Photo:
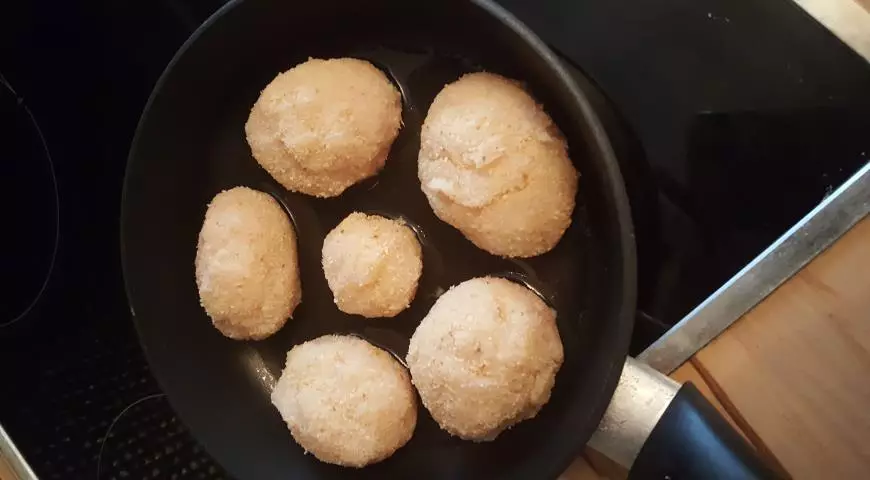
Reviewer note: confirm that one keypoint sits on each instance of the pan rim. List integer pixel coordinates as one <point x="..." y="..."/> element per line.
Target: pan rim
<point x="616" y="187"/>
<point x="614" y="183"/>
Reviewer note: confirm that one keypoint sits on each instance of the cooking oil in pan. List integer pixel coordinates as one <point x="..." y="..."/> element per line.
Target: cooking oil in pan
<point x="448" y="257"/>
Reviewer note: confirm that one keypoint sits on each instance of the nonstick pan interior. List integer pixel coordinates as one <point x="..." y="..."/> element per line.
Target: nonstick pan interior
<point x="190" y="145"/>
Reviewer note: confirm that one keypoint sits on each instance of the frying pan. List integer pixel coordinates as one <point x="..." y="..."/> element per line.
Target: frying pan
<point x="190" y="145"/>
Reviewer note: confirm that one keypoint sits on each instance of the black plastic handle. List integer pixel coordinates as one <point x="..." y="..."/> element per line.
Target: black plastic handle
<point x="693" y="441"/>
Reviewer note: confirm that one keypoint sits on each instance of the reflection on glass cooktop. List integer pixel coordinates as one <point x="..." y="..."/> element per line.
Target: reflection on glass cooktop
<point x="731" y="120"/>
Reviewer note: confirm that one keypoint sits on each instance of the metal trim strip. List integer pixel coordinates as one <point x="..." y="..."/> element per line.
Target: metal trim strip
<point x="10" y="454"/>
<point x="814" y="233"/>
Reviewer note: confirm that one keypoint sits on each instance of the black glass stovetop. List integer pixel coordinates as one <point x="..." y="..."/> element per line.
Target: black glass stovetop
<point x="731" y="120"/>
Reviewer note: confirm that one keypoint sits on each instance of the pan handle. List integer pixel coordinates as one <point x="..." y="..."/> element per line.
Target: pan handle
<point x="660" y="430"/>
<point x="693" y="440"/>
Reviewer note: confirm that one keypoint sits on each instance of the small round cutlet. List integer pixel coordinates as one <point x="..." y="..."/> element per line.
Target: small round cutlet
<point x="493" y="165"/>
<point x="247" y="271"/>
<point x="372" y="265"/>
<point x="324" y="125"/>
<point x="485" y="357"/>
<point x="346" y="401"/>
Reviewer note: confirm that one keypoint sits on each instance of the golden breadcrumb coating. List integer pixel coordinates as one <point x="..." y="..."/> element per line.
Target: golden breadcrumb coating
<point x="346" y="401"/>
<point x="247" y="270"/>
<point x="493" y="165"/>
<point x="372" y="265"/>
<point x="485" y="357"/>
<point x="324" y="125"/>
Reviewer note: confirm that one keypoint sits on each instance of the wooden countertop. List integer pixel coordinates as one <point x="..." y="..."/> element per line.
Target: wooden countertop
<point x="793" y="374"/>
<point x="795" y="371"/>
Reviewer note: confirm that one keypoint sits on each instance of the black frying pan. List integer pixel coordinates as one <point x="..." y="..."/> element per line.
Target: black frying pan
<point x="190" y="144"/>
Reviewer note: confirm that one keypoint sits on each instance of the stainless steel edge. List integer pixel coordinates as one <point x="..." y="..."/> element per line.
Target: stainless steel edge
<point x="834" y="216"/>
<point x="640" y="399"/>
<point x="10" y="454"/>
